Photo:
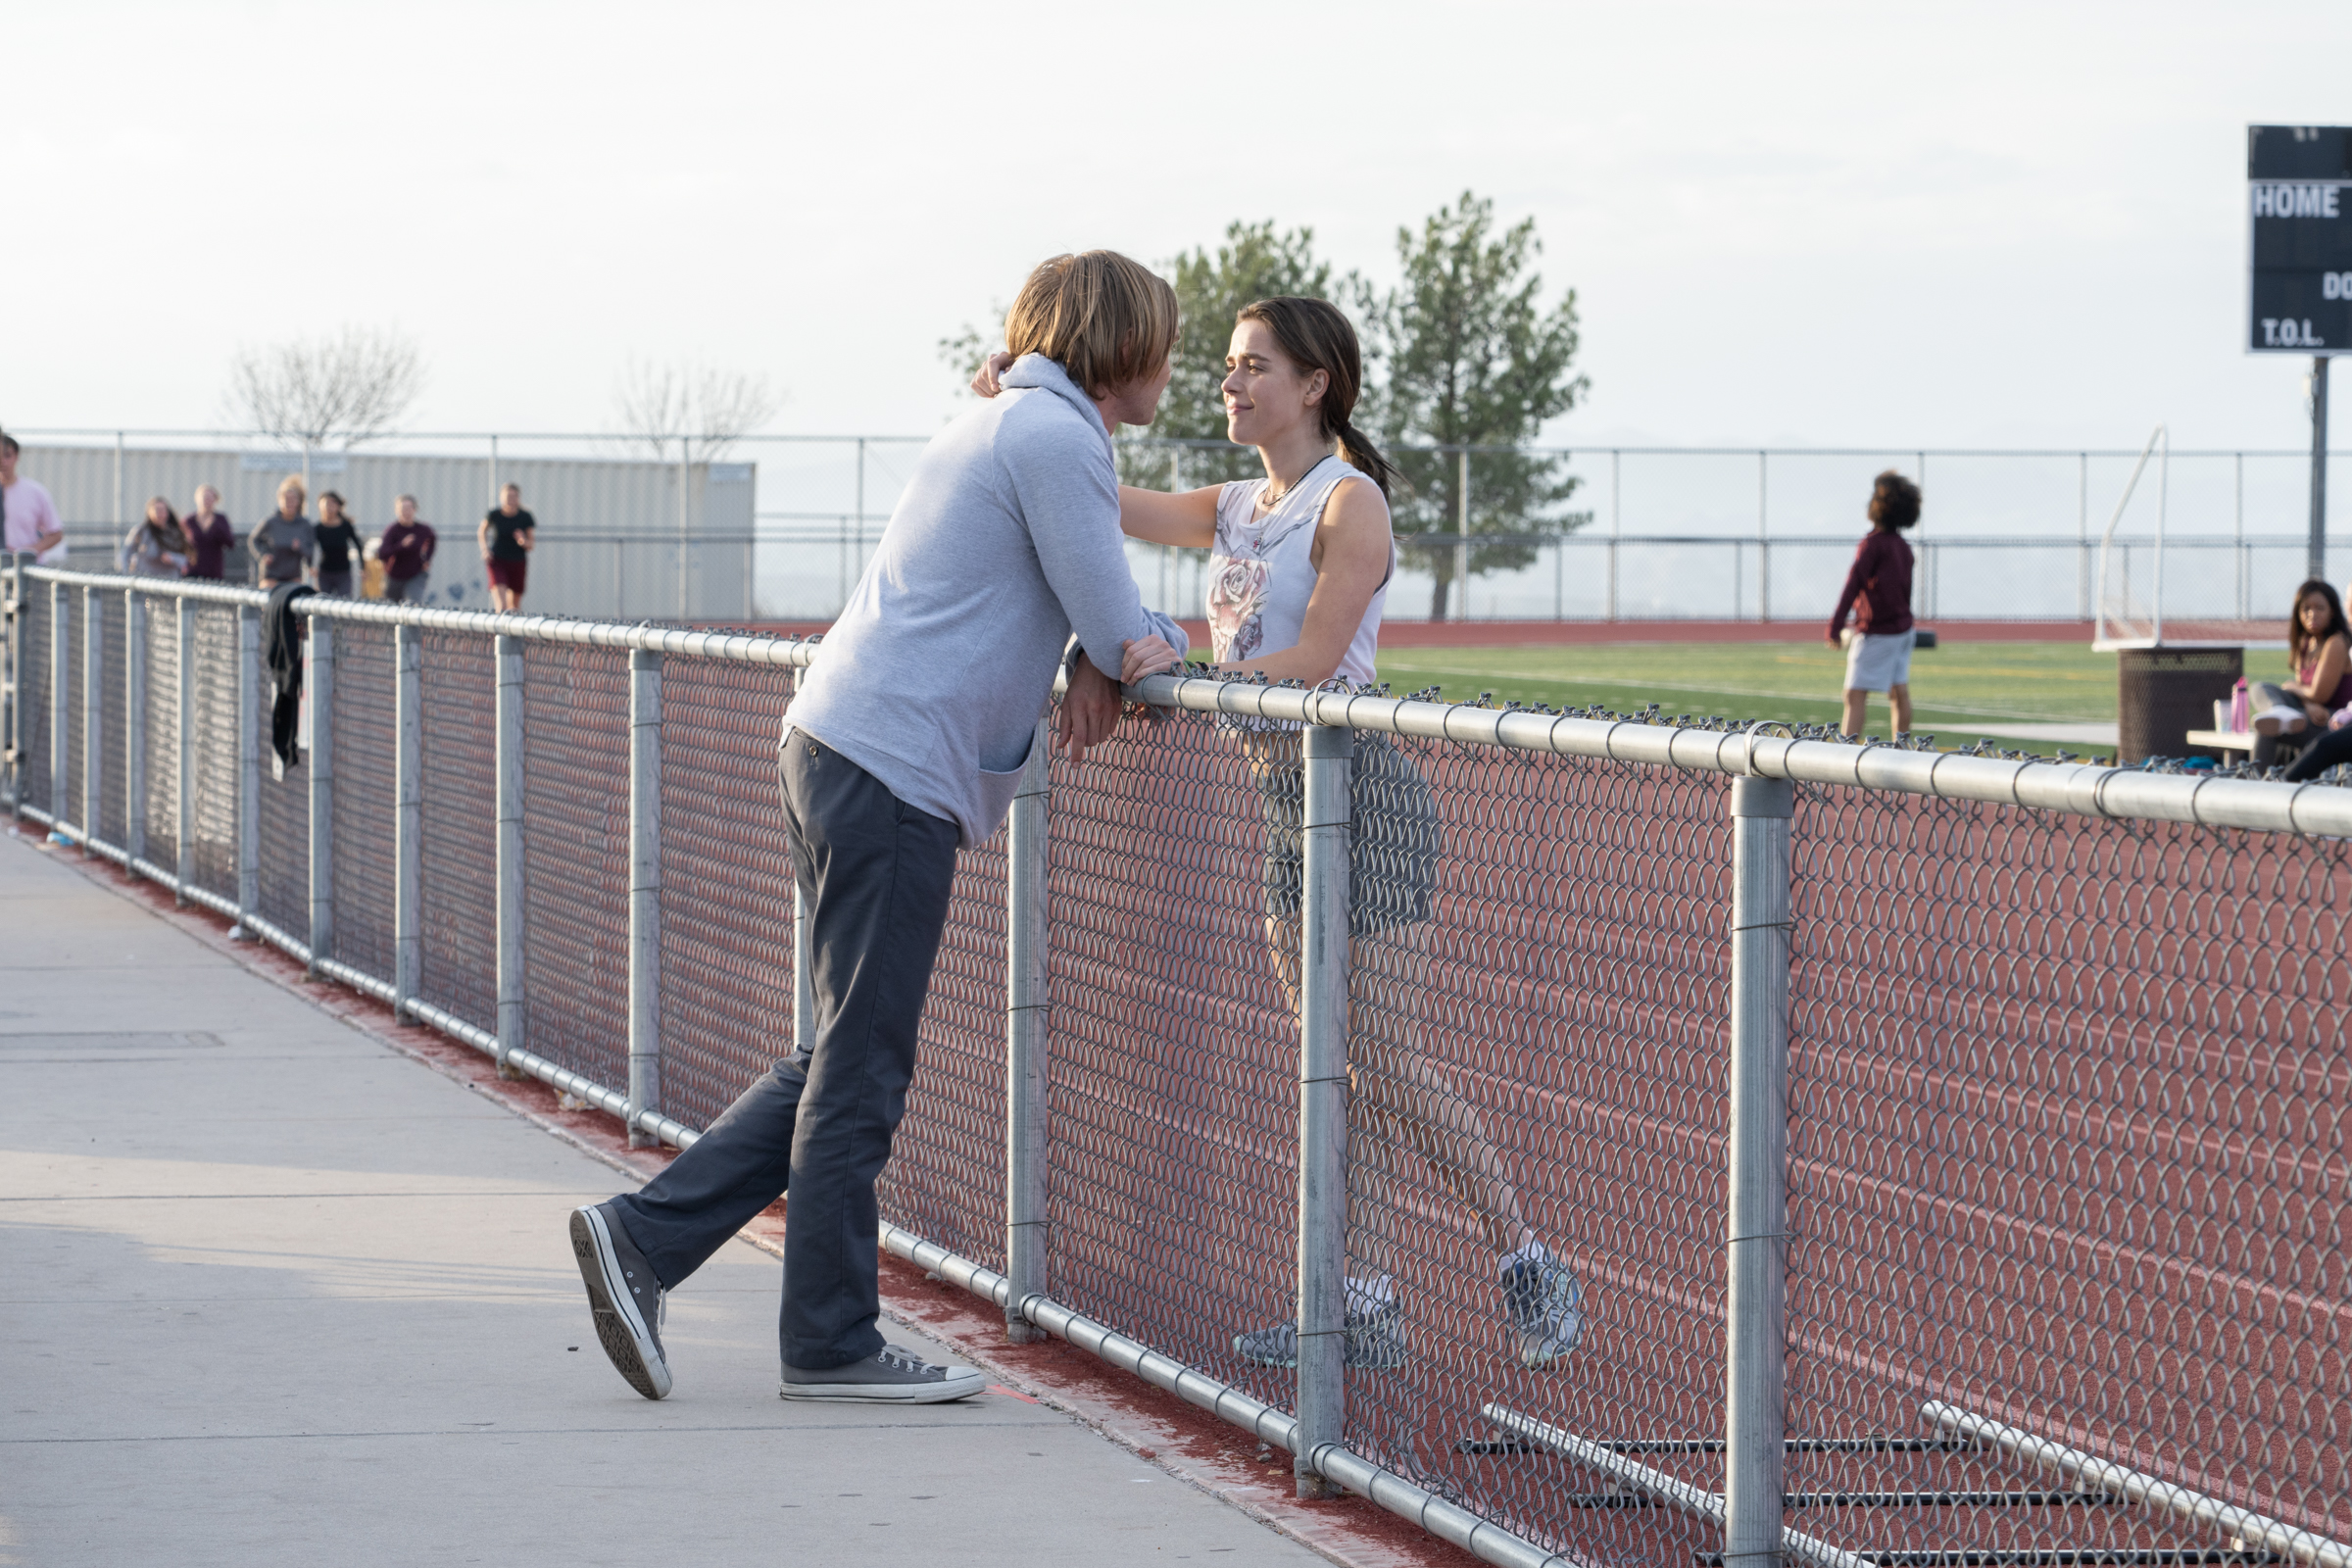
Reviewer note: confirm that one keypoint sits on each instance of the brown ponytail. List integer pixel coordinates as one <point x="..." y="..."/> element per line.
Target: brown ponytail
<point x="1316" y="335"/>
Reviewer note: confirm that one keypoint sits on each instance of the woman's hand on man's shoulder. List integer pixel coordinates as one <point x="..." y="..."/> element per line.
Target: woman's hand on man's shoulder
<point x="989" y="380"/>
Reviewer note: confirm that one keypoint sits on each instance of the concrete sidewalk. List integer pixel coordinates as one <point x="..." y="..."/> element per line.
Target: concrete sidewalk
<point x="277" y="1294"/>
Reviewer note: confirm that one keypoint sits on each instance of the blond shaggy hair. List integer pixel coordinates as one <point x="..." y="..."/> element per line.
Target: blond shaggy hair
<point x="1108" y="321"/>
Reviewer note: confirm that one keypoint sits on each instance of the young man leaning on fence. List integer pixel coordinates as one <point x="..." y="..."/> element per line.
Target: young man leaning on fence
<point x="908" y="740"/>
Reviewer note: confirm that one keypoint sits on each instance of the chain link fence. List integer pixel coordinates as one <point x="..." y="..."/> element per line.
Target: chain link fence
<point x="1748" y="1146"/>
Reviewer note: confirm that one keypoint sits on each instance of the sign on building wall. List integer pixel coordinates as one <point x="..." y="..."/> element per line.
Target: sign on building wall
<point x="2299" y="206"/>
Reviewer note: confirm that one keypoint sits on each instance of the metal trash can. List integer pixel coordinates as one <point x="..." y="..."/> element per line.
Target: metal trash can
<point x="2164" y="693"/>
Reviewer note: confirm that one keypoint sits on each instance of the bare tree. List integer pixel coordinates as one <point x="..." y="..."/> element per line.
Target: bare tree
<point x="340" y="390"/>
<point x="707" y="408"/>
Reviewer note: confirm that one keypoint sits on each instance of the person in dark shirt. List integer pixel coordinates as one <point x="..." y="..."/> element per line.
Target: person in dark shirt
<point x="1877" y="590"/>
<point x="209" y="537"/>
<point x="283" y="542"/>
<point x="507" y="534"/>
<point x="338" y="544"/>
<point x="406" y="552"/>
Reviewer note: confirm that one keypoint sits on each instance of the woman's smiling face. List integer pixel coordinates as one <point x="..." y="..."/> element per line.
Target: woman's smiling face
<point x="1264" y="393"/>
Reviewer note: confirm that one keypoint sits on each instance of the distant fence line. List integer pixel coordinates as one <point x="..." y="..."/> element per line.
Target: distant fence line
<point x="1652" y="532"/>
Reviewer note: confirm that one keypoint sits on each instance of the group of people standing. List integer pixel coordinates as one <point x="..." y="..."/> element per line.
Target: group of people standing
<point x="289" y="546"/>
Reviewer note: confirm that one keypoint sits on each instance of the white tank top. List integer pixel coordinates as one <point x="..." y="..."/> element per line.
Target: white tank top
<point x="1261" y="571"/>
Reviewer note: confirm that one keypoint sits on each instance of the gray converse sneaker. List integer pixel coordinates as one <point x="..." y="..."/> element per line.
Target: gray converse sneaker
<point x="1543" y="1307"/>
<point x="888" y="1376"/>
<point x="1375" y="1340"/>
<point x="627" y="1300"/>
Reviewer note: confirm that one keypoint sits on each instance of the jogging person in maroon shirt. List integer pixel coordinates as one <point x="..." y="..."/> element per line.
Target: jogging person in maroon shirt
<point x="407" y="551"/>
<point x="1877" y="590"/>
<point x="209" y="537"/>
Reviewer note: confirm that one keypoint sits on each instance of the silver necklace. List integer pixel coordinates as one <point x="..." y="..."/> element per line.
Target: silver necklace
<point x="1273" y="501"/>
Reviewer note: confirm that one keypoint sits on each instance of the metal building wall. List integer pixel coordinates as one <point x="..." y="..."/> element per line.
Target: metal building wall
<point x="610" y="529"/>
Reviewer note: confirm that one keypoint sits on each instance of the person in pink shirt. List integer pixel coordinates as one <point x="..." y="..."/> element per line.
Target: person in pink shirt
<point x="27" y="514"/>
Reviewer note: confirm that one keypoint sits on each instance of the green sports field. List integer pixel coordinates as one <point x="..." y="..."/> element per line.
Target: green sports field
<point x="1984" y="684"/>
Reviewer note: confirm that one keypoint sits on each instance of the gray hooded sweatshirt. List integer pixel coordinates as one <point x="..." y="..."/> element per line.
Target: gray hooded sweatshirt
<point x="1006" y="542"/>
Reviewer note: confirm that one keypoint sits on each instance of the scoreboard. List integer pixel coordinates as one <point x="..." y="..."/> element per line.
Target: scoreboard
<point x="2299" y="206"/>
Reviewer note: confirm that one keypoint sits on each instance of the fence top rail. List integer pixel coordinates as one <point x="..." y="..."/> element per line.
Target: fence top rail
<point x="686" y="642"/>
<point x="2080" y="788"/>
<point x="211" y="593"/>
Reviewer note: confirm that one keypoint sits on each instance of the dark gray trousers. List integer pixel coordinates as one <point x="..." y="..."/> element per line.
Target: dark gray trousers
<point x="876" y="874"/>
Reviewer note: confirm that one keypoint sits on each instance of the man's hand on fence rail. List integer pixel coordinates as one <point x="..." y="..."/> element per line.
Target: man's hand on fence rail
<point x="1089" y="711"/>
<point x="1144" y="656"/>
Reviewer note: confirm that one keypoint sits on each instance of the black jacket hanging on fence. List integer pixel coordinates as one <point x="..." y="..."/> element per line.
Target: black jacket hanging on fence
<point x="281" y="646"/>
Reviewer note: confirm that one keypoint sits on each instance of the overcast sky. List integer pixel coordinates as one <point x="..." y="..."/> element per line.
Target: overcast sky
<point x="1810" y="224"/>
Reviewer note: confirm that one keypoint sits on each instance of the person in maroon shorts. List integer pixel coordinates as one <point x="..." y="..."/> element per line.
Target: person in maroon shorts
<point x="507" y="534"/>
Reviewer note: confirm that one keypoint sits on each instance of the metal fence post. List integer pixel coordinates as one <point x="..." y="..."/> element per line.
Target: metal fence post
<point x="407" y="795"/>
<point x="61" y="665"/>
<point x="1025" y="1044"/>
<point x="135" y="730"/>
<point x="645" y="891"/>
<point x="249" y="769"/>
<point x="509" y="850"/>
<point x="1616" y="530"/>
<point x="2316" y="565"/>
<point x="2237" y="536"/>
<point x="2082" y="534"/>
<point x="184" y="742"/>
<point x="93" y="716"/>
<point x="1755" y="1358"/>
<point x="322" y="792"/>
<point x="1323" y="1108"/>
<point x="1461" y="549"/>
<point x="14" y="739"/>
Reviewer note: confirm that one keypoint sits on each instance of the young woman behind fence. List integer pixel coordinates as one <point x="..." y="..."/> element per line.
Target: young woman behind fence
<point x="1300" y="570"/>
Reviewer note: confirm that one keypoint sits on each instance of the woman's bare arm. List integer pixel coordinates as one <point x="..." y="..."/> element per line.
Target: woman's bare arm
<point x="1353" y="544"/>
<point x="1186" y="519"/>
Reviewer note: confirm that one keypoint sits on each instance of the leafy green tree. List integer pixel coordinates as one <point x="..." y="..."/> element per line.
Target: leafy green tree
<point x="1255" y="263"/>
<point x="1473" y="360"/>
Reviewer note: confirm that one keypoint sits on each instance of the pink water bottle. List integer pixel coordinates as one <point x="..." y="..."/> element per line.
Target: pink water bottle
<point x="2240" y="700"/>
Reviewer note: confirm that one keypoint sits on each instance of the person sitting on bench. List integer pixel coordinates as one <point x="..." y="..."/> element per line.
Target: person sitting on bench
<point x="2318" y="649"/>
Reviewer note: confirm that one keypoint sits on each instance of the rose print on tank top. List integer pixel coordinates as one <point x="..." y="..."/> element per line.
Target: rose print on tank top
<point x="1237" y="592"/>
<point x="1261" y="572"/>
<point x="1238" y="574"/>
